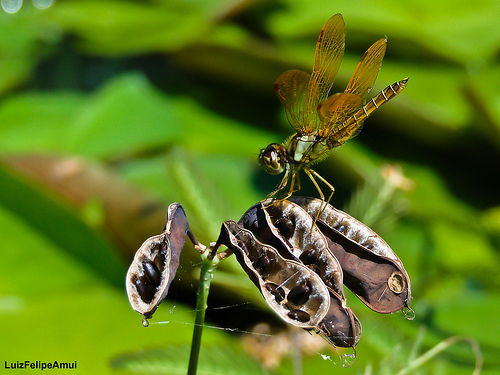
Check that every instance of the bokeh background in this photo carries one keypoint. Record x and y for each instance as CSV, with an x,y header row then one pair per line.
x,y
110,110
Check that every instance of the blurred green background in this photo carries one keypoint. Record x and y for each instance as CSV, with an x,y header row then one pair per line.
x,y
111,110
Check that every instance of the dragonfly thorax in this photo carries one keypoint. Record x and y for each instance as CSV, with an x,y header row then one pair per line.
x,y
303,149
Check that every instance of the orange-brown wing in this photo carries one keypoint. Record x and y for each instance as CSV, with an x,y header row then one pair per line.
x,y
291,88
327,59
336,110
335,113
299,92
366,72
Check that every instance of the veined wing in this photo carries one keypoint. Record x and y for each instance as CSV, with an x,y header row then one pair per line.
x,y
335,111
327,59
299,92
291,88
366,72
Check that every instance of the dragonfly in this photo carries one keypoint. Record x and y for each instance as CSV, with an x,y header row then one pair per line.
x,y
324,122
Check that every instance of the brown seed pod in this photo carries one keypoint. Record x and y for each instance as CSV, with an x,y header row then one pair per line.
x,y
156,262
278,278
371,269
340,327
289,229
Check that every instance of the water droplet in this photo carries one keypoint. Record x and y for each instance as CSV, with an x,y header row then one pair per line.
x,y
145,322
42,4
408,313
11,6
348,359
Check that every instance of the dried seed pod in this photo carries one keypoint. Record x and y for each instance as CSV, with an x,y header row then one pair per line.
x,y
294,226
372,270
289,229
156,262
280,279
340,327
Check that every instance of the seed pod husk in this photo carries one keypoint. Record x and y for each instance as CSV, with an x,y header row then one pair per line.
x,y
278,278
340,327
371,269
289,229
155,263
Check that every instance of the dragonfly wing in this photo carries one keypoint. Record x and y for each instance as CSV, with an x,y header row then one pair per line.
x,y
299,92
361,83
327,59
367,70
291,88
336,110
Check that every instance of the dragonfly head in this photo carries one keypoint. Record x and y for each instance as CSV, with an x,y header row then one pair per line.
x,y
272,158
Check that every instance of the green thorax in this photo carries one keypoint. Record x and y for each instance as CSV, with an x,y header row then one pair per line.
x,y
304,149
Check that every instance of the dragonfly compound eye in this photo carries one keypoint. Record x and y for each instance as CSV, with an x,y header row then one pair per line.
x,y
272,158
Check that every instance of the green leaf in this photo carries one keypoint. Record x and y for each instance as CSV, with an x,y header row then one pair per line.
x,y
460,249
18,47
36,122
457,31
118,27
124,117
472,316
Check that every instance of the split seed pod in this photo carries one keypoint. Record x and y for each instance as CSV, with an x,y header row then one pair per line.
x,y
291,289
372,270
156,262
289,228
288,286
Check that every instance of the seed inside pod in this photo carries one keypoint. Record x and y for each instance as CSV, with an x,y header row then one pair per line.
x,y
152,273
144,287
309,257
267,263
277,292
159,258
285,226
340,228
396,282
299,315
299,295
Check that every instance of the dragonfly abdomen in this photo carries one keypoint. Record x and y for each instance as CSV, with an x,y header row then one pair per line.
x,y
352,126
382,97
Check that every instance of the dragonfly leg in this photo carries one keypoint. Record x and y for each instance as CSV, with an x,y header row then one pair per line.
x,y
282,184
312,174
295,177
294,185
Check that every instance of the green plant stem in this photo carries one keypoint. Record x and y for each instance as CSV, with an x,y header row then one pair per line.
x,y
443,345
208,266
